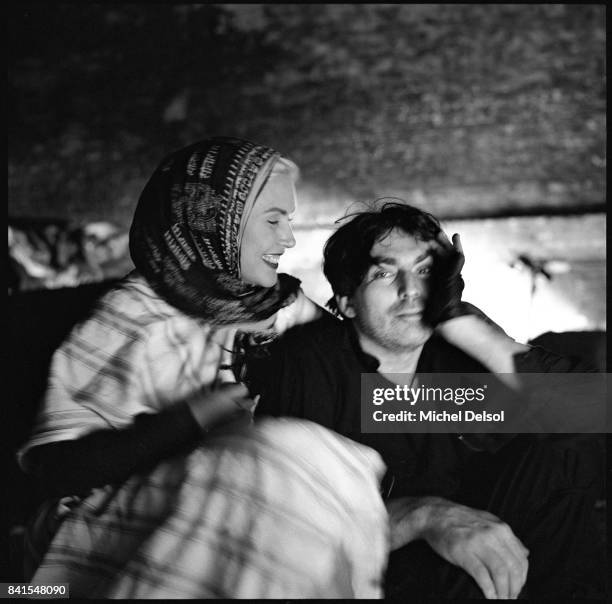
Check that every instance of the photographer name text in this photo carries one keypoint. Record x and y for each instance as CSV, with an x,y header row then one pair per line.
x,y
462,415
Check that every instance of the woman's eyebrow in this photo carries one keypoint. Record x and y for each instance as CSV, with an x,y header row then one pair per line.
x,y
280,210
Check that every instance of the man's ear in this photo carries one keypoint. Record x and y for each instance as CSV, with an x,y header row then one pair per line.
x,y
345,306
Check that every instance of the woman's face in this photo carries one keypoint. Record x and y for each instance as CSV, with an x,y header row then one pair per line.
x,y
268,233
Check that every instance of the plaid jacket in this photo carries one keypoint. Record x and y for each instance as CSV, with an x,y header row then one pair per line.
x,y
284,509
135,354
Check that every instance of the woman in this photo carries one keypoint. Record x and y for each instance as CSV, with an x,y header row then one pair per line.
x,y
158,491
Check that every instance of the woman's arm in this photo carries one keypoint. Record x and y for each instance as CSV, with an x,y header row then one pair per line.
x,y
111,456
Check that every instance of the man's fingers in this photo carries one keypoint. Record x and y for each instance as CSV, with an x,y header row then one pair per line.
x,y
478,571
443,248
443,241
503,556
507,561
515,574
517,567
518,549
499,570
457,243
517,581
508,538
506,533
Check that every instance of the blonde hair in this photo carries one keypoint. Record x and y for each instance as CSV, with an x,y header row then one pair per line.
x,y
285,166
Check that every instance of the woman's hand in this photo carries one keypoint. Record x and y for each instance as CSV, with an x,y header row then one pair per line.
x,y
214,406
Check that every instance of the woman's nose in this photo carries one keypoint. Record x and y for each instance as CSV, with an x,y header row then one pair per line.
x,y
287,239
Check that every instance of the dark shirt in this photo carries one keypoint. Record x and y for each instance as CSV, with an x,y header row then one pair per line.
x,y
314,372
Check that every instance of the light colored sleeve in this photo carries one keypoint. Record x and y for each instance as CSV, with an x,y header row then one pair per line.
x,y
110,370
182,356
91,382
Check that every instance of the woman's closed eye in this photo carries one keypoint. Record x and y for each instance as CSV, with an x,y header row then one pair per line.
x,y
276,220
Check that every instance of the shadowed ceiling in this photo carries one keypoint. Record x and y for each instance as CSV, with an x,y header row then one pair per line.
x,y
466,110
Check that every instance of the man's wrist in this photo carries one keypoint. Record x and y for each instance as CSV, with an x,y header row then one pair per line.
x,y
424,515
456,330
410,518
472,330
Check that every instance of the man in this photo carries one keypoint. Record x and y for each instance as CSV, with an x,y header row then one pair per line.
x,y
471,517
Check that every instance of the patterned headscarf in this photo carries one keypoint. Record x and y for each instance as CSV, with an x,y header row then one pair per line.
x,y
185,235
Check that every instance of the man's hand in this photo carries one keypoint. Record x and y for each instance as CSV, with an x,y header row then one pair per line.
x,y
444,300
475,540
464,325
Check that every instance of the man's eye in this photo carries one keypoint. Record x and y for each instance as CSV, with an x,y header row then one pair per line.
x,y
380,274
426,270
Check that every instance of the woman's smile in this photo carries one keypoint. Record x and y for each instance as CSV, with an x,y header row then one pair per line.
x,y
272,260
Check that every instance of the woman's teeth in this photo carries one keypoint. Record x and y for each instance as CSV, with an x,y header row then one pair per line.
x,y
271,258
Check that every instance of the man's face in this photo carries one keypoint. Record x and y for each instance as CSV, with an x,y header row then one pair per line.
x,y
387,307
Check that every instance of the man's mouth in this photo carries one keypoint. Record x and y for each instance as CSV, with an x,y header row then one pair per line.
x,y
271,260
407,314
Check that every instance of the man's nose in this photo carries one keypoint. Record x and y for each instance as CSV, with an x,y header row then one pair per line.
x,y
408,286
286,236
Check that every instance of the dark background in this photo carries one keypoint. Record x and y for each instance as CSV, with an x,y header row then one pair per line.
x,y
470,109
